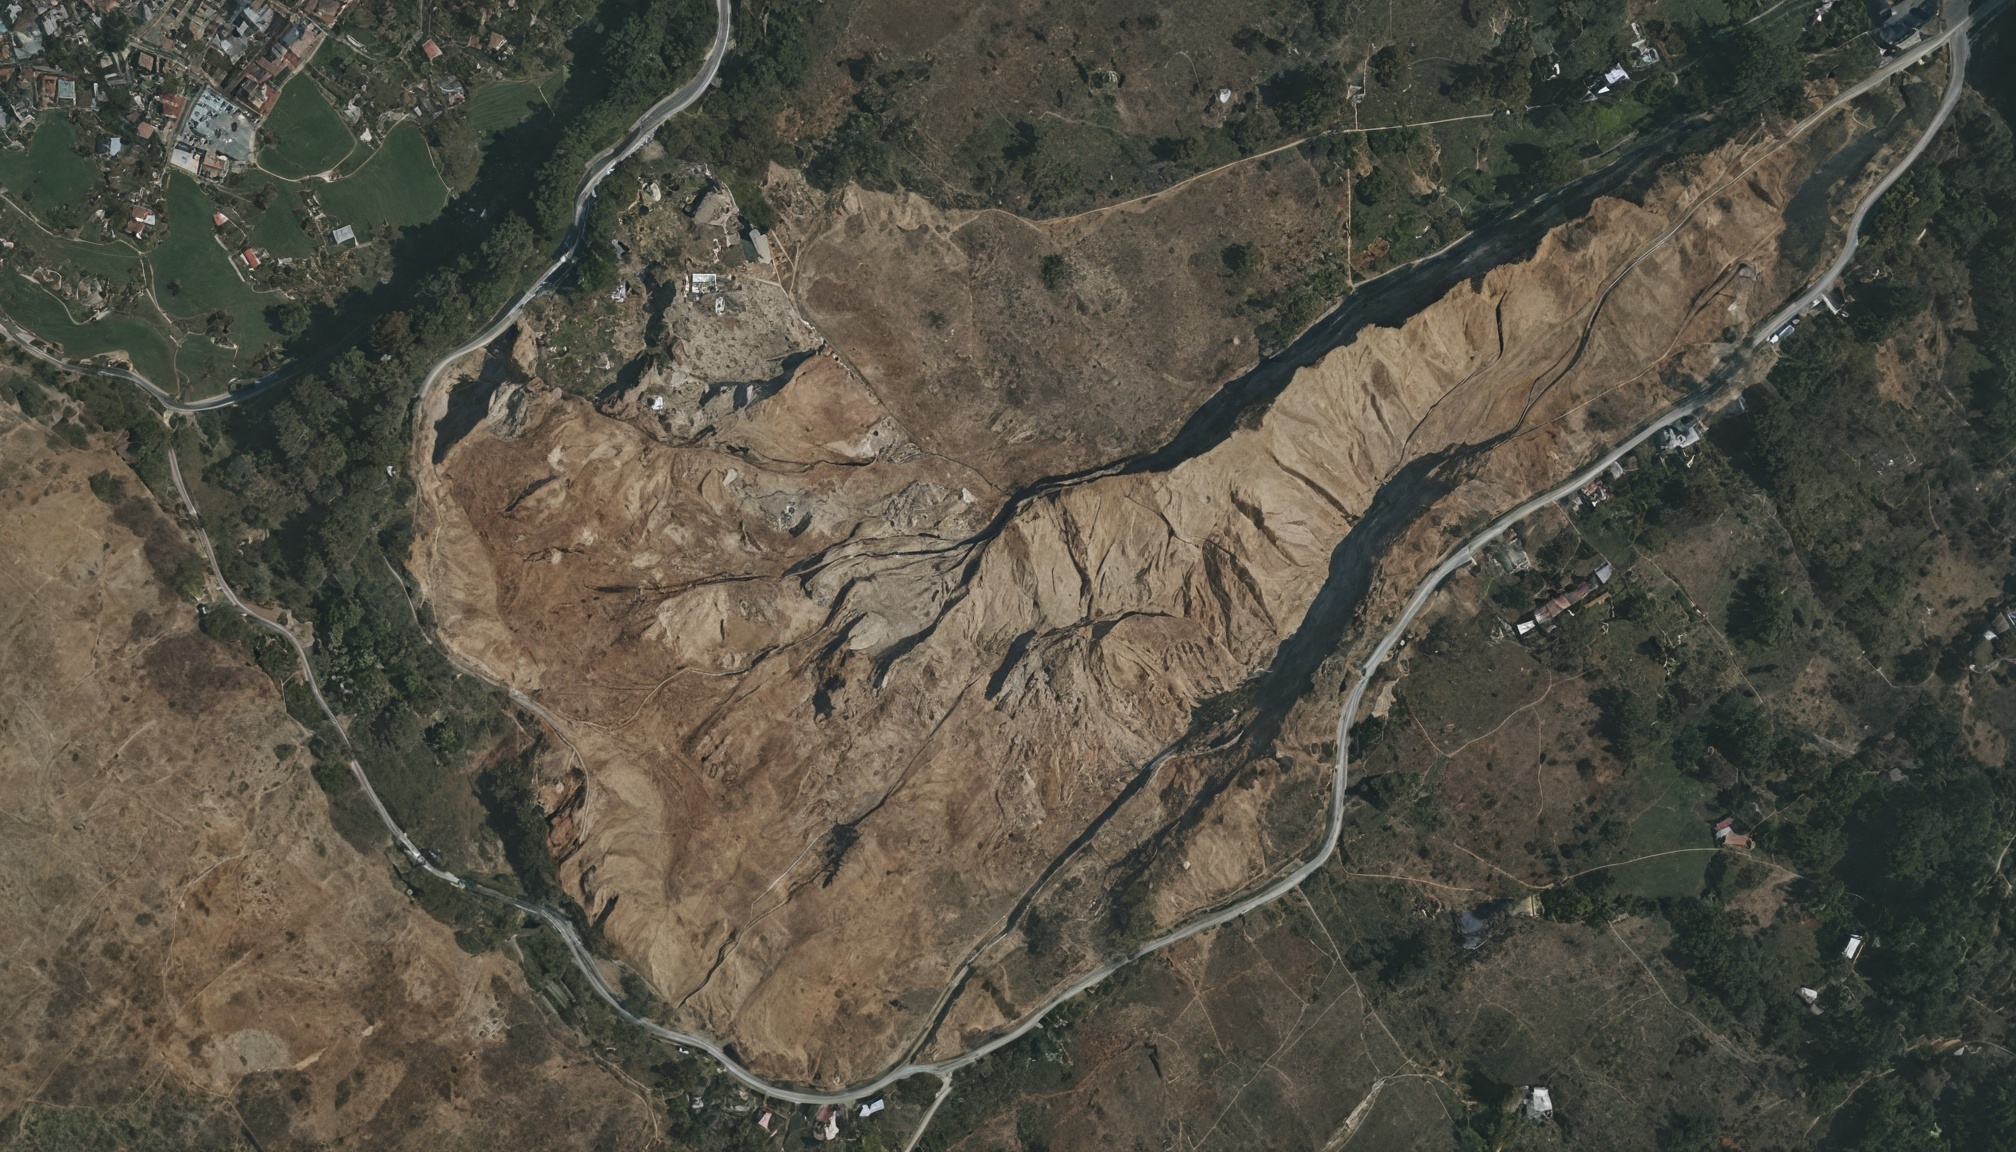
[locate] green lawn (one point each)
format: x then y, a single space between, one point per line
48 175
398 186
190 256
210 368
502 104
304 135
1675 819
278 231
1680 875
45 315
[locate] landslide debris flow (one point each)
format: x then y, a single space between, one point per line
839 714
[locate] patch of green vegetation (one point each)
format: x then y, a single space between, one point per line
398 187
503 103
50 178
156 1122
1666 876
193 273
304 135
278 229
39 311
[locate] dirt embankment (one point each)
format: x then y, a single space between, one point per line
833 730
190 948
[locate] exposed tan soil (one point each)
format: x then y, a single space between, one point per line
832 735
947 317
180 920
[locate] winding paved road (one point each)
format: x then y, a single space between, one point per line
944 1069
599 169
1956 83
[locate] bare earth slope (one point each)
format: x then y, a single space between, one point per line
1021 380
834 725
185 936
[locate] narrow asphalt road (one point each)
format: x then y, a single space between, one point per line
599 169
944 1069
1956 83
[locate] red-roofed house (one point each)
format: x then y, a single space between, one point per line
251 258
219 219
431 50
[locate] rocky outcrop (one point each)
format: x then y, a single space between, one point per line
841 701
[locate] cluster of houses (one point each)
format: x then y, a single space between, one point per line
825 1123
211 117
32 28
1643 54
1899 25
1592 586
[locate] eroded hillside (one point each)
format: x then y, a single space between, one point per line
839 709
194 956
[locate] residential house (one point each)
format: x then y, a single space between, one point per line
1683 433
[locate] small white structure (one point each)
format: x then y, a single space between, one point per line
872 1107
1810 995
826 1125
1539 1104
1612 79
1224 95
657 403
1683 434
344 235
1647 55
1853 947
760 244
700 282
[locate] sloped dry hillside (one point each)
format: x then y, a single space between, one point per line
839 709
190 950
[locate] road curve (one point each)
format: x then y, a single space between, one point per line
599 169
33 345
1956 83
586 962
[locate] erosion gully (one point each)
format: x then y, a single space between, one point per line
1388 301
